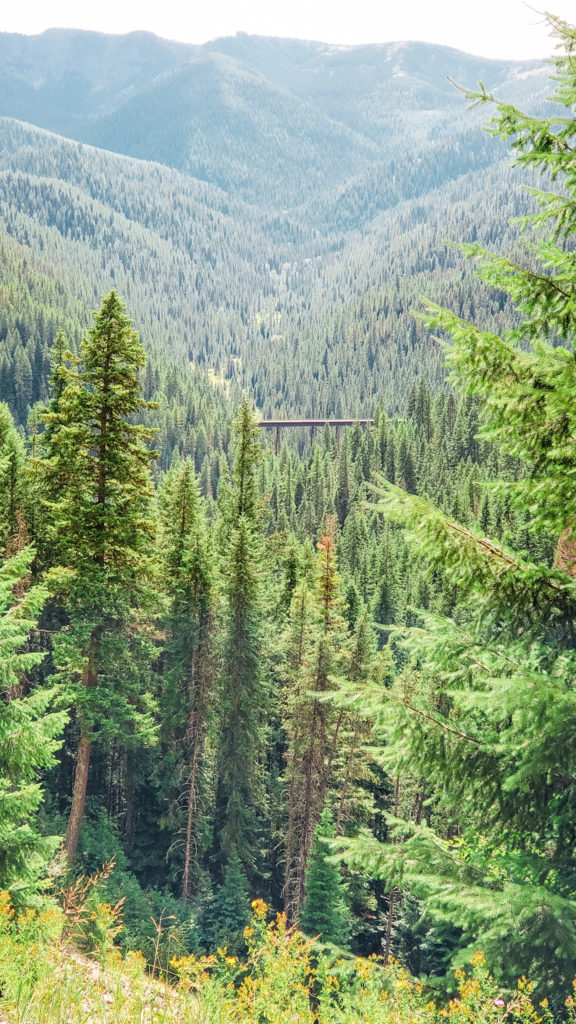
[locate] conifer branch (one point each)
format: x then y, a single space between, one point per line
436 721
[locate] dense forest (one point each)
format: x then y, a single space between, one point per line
327 676
290 280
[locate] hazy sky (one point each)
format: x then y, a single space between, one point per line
491 28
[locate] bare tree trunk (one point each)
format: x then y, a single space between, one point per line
305 827
201 673
290 842
418 807
392 898
129 792
78 796
190 822
82 768
565 557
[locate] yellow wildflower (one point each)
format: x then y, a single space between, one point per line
6 909
259 908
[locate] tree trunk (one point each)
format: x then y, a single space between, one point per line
129 792
190 822
394 895
78 797
565 557
82 767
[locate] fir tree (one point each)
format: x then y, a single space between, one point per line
188 696
12 483
243 689
352 760
316 642
486 718
324 912
29 736
102 526
229 910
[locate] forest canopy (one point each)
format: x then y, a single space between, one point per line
330 677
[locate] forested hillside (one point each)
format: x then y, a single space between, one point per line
262 302
291 722
284 265
272 121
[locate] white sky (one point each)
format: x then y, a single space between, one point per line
490 28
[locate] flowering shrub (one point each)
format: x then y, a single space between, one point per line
274 983
283 979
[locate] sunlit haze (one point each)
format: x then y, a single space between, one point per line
495 28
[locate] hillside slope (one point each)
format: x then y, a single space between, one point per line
294 212
272 121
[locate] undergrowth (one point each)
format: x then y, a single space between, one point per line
284 978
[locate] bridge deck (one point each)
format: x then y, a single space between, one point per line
312 423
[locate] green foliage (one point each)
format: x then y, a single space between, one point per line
29 735
316 644
279 297
228 913
100 520
224 685
283 977
483 713
101 454
12 484
187 698
324 912
243 700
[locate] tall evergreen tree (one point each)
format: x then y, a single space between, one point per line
188 697
229 910
12 482
316 643
29 736
243 684
102 527
487 718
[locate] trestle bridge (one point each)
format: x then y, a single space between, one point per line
313 425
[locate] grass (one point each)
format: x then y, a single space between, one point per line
284 979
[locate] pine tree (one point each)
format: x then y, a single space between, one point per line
12 483
29 736
316 642
188 697
243 686
102 528
352 760
485 713
354 539
324 912
229 911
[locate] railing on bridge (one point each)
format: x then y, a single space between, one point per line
279 425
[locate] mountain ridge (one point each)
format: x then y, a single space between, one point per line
281 247
246 112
